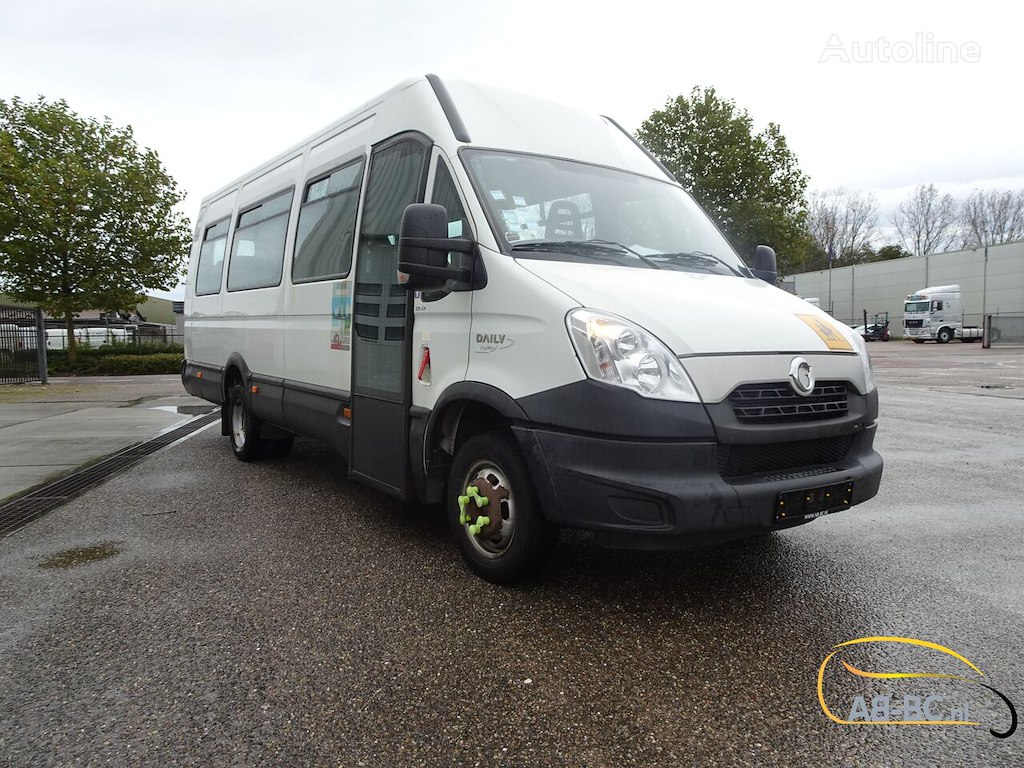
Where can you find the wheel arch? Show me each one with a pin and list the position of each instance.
(466, 409)
(463, 410)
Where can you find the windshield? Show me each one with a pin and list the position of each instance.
(917, 306)
(546, 208)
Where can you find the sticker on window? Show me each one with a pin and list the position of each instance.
(341, 316)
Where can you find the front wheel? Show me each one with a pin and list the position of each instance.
(944, 336)
(493, 510)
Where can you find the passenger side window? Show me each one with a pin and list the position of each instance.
(257, 251)
(211, 259)
(327, 223)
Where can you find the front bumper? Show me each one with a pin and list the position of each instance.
(668, 494)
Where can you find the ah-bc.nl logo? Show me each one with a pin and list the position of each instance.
(902, 696)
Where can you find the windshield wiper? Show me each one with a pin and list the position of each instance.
(696, 260)
(595, 249)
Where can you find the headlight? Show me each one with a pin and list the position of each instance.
(865, 361)
(617, 352)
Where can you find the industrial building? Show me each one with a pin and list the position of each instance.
(991, 281)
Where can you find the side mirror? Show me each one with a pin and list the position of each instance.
(765, 265)
(424, 248)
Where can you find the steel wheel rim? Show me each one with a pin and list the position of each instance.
(492, 548)
(238, 423)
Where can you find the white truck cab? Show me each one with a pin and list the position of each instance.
(937, 313)
(509, 307)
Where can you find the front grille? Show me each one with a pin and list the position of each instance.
(912, 323)
(777, 403)
(741, 460)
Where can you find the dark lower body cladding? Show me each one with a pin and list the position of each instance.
(672, 494)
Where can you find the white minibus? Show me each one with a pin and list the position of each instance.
(509, 307)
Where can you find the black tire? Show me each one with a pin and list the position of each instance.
(243, 426)
(919, 341)
(279, 448)
(518, 544)
(944, 336)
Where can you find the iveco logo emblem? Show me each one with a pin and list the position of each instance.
(800, 376)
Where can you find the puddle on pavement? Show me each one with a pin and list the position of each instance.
(69, 558)
(186, 410)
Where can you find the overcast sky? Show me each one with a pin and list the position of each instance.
(872, 96)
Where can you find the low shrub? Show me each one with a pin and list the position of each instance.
(161, 362)
(116, 360)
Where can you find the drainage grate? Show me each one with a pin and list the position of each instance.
(22, 510)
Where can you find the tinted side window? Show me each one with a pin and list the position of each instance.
(257, 251)
(379, 302)
(327, 224)
(445, 194)
(211, 259)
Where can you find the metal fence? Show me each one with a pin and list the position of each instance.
(1004, 329)
(89, 334)
(22, 345)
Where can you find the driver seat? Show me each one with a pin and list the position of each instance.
(563, 221)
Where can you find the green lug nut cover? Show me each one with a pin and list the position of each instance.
(473, 494)
(481, 521)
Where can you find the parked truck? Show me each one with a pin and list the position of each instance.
(936, 314)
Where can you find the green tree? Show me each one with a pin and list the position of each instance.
(749, 183)
(890, 252)
(87, 217)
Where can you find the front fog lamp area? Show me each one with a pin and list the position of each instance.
(620, 353)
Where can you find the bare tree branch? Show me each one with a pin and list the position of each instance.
(843, 223)
(928, 221)
(993, 217)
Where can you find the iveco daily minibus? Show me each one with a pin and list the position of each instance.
(509, 307)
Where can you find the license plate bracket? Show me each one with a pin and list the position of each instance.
(809, 503)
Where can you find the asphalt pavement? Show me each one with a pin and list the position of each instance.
(196, 610)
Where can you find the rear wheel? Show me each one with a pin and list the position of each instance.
(245, 427)
(493, 510)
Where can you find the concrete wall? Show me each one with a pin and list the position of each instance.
(882, 286)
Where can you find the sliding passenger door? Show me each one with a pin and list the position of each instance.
(381, 319)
